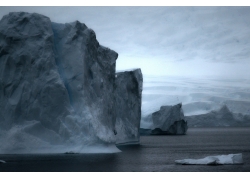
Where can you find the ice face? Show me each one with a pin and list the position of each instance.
(168, 120)
(88, 72)
(166, 116)
(128, 106)
(30, 87)
(56, 85)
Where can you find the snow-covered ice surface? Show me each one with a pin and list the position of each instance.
(214, 160)
(198, 95)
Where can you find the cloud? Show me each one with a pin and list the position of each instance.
(158, 35)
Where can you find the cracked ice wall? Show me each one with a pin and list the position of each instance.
(57, 77)
(128, 106)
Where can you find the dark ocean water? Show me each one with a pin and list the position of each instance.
(155, 153)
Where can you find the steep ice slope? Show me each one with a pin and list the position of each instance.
(55, 81)
(128, 106)
(30, 85)
(88, 72)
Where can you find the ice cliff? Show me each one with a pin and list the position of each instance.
(128, 106)
(57, 84)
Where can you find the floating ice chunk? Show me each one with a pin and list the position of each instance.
(214, 160)
(1, 161)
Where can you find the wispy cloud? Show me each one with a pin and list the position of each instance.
(162, 34)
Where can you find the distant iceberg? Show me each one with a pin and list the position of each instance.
(169, 120)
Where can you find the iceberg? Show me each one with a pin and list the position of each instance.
(213, 160)
(169, 120)
(128, 106)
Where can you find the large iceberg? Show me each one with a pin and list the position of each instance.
(56, 85)
(128, 106)
(213, 160)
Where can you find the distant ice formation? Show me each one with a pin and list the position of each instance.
(219, 118)
(199, 96)
(214, 160)
(168, 120)
(128, 96)
(57, 86)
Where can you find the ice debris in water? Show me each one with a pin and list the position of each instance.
(214, 160)
(1, 161)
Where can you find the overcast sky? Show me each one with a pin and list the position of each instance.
(185, 41)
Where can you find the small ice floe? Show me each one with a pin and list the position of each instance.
(214, 160)
(1, 161)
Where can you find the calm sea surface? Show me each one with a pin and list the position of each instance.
(155, 153)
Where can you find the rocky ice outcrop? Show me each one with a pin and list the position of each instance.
(169, 120)
(214, 160)
(55, 77)
(128, 106)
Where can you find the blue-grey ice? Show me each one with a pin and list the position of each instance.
(169, 120)
(56, 87)
(214, 160)
(128, 96)
(59, 91)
